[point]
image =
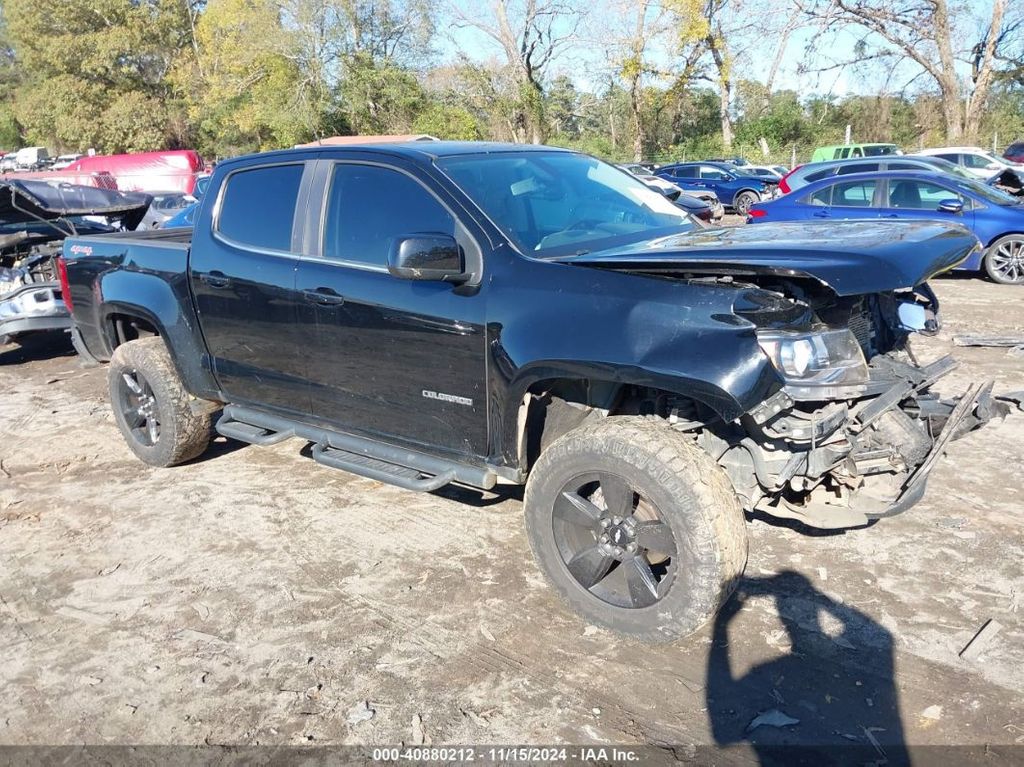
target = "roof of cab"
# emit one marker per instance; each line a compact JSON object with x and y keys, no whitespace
{"x":418,"y":150}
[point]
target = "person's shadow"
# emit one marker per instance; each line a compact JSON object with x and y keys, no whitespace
{"x":830,"y":667}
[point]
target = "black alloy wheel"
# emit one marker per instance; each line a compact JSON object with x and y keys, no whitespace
{"x":139,"y":408}
{"x":613,"y":541}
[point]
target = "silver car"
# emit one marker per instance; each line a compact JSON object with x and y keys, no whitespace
{"x":803,"y":175}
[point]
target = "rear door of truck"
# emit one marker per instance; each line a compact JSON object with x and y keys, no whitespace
{"x":243,"y":262}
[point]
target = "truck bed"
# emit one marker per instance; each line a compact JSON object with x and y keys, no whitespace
{"x":180,"y":237}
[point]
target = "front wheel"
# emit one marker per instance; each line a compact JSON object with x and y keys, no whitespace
{"x":151,"y":406}
{"x":1004,"y":260}
{"x":637,"y":527}
{"x":743,"y":202}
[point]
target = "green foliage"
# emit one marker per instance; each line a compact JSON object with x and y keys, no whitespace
{"x":380,"y":97}
{"x":82,"y":63}
{"x":447,"y":122}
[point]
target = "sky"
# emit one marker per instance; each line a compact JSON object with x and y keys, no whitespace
{"x":587,"y":66}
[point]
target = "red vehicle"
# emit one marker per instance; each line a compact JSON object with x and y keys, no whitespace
{"x":170,"y":171}
{"x":1015,"y":152}
{"x":99,"y":180}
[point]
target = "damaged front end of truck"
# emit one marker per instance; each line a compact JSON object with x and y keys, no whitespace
{"x":839,"y":454}
{"x":857,"y":425}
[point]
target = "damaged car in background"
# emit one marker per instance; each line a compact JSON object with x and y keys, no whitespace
{"x":35,"y":217}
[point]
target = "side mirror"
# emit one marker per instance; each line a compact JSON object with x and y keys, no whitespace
{"x":953,"y":206}
{"x":432,"y":257}
{"x":993,"y":166}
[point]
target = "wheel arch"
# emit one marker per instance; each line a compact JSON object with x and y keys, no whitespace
{"x":123,"y":321}
{"x":554,"y":404}
{"x":1000,"y":236}
{"x":741,"y":191}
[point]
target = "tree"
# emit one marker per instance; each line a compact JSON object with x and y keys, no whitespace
{"x":938,"y":38}
{"x":643,"y":24}
{"x":78,"y":58}
{"x":241,"y":81}
{"x":530,"y":34}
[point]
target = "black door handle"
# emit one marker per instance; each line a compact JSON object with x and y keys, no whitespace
{"x":216,"y":279}
{"x":324,"y":297}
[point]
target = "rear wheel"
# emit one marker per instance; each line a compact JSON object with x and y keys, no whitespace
{"x":151,"y":406}
{"x":637,"y":527}
{"x":743,"y":202}
{"x":1004,"y":260}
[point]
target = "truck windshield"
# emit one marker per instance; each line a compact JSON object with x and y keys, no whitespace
{"x":554,"y":203}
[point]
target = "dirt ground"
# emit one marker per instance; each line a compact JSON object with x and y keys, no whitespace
{"x":255,"y":597}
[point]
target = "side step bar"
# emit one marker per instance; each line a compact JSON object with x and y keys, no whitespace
{"x":409,"y":469}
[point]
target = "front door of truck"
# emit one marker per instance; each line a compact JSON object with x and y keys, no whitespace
{"x":242,"y":271}
{"x":396,"y":358}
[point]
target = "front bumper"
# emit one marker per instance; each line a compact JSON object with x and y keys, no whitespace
{"x":860,"y":456}
{"x":33,"y":307}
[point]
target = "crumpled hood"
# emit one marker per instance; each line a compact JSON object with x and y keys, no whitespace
{"x":24,"y":201}
{"x":850,"y":257}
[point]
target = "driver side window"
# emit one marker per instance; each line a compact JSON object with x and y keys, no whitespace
{"x":368,"y":206}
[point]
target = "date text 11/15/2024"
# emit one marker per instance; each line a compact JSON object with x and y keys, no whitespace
{"x":531,"y":754}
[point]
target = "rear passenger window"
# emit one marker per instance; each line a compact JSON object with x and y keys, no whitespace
{"x":257,"y":206}
{"x":861,"y":167}
{"x":853,"y":194}
{"x":368,"y":206}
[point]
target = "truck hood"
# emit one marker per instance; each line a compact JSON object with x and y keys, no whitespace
{"x":24,"y":201}
{"x":849,"y":257}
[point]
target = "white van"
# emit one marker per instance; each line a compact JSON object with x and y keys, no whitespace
{"x":31,"y":157}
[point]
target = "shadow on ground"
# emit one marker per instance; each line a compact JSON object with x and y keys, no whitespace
{"x":826,"y":687}
{"x":35,"y":347}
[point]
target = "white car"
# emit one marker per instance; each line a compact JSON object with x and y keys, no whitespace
{"x":974,"y":160}
{"x":31,"y":157}
{"x":64,"y":161}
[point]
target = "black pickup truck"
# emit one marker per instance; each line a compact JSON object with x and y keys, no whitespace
{"x":485,"y":314}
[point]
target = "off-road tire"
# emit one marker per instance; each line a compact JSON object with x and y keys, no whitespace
{"x":743,"y":202}
{"x":692,"y":494}
{"x":183,"y":434}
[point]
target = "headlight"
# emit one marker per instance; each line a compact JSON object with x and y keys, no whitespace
{"x":830,"y":357}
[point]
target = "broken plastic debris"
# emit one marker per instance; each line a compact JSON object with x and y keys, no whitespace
{"x":771,"y":718}
{"x":360,"y":712}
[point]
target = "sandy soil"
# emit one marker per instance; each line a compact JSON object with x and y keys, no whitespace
{"x":254,"y":597}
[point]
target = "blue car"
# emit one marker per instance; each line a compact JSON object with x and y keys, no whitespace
{"x":735,"y":188}
{"x":994,"y":217}
{"x":187,"y":216}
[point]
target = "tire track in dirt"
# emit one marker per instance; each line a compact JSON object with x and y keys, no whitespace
{"x":437,"y":641}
